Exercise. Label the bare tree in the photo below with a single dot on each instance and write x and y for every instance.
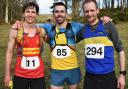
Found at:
(75, 9)
(6, 12)
(127, 3)
(112, 4)
(105, 3)
(11, 9)
(118, 3)
(2, 10)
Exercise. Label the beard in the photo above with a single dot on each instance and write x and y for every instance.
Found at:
(91, 19)
(60, 19)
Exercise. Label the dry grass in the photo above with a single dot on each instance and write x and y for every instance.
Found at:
(4, 29)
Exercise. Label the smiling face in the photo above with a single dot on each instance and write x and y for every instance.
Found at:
(30, 15)
(60, 14)
(91, 12)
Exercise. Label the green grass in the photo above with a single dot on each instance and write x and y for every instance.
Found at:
(4, 30)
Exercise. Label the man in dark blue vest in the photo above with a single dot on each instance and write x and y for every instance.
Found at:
(100, 40)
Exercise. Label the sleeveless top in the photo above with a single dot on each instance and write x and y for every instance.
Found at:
(29, 63)
(99, 50)
(63, 45)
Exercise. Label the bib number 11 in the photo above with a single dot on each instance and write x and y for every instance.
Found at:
(30, 62)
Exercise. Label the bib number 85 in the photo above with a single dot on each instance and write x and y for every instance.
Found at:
(94, 51)
(61, 52)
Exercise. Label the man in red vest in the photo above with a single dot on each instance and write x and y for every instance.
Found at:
(29, 68)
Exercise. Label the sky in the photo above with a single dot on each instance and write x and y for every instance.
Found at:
(44, 6)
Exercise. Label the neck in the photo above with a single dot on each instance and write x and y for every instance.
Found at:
(94, 22)
(29, 25)
(63, 25)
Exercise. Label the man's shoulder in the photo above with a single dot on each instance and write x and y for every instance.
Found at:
(76, 27)
(109, 24)
(13, 33)
(76, 23)
(46, 26)
(110, 27)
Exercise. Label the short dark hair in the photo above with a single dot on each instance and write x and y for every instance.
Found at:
(32, 5)
(88, 1)
(58, 4)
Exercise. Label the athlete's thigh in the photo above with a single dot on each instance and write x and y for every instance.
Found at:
(57, 78)
(74, 77)
(20, 83)
(109, 81)
(38, 83)
(56, 87)
(89, 82)
(75, 86)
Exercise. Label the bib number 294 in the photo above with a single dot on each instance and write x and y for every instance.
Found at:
(94, 51)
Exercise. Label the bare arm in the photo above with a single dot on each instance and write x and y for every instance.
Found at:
(114, 36)
(9, 53)
(121, 79)
(45, 36)
(122, 60)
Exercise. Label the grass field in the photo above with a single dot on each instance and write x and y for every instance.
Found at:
(4, 30)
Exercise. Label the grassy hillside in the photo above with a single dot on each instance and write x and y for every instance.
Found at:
(43, 18)
(4, 30)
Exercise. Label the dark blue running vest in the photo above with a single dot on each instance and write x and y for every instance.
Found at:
(99, 50)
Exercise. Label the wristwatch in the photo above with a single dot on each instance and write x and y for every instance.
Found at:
(123, 72)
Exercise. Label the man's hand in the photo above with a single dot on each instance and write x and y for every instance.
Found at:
(121, 82)
(16, 25)
(105, 19)
(6, 80)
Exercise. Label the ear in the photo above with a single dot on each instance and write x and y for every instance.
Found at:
(23, 14)
(37, 15)
(53, 17)
(98, 10)
(67, 15)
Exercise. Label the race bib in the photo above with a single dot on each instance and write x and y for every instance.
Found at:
(61, 52)
(30, 62)
(94, 51)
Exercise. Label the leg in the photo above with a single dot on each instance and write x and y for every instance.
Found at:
(109, 81)
(106, 81)
(57, 79)
(74, 77)
(20, 83)
(90, 82)
(37, 83)
(56, 87)
(75, 86)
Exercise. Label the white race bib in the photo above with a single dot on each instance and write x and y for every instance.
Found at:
(61, 52)
(30, 62)
(94, 51)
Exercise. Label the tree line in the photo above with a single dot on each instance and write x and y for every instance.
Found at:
(115, 9)
(10, 10)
